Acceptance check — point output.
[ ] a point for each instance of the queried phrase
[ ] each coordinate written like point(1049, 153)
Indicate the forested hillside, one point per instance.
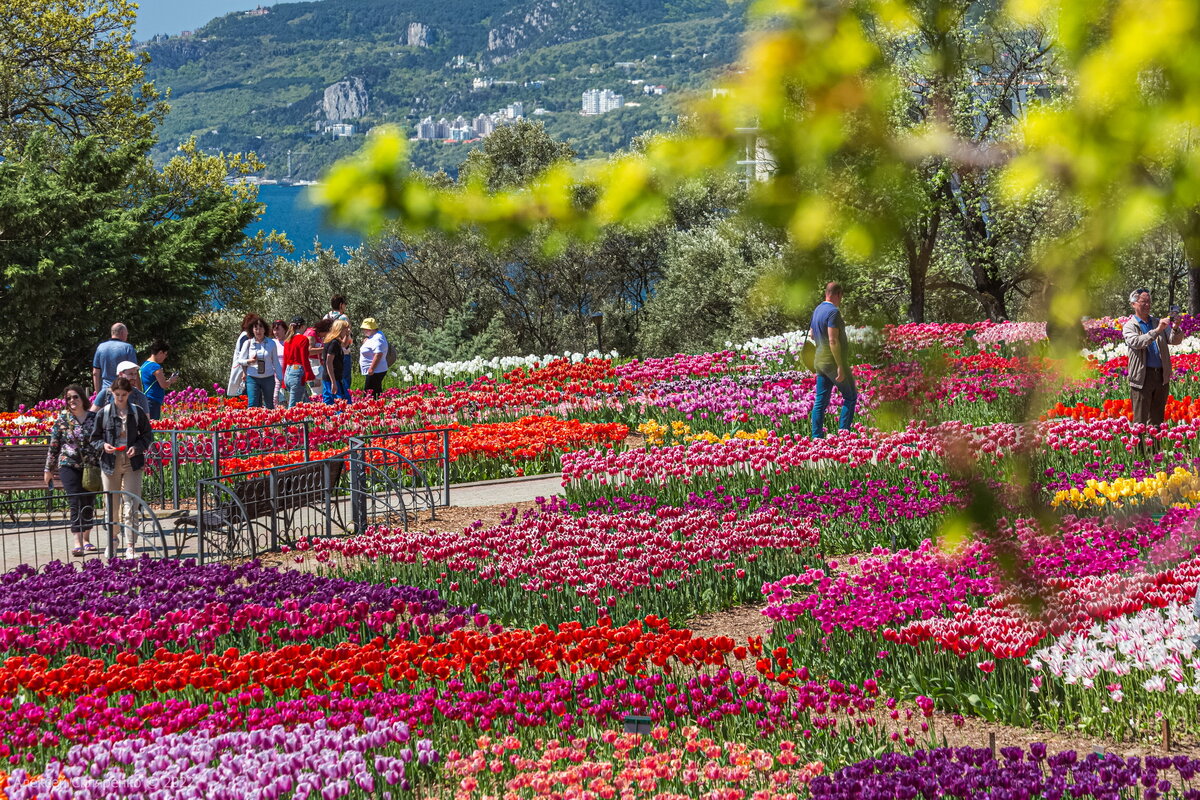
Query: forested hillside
point(275, 81)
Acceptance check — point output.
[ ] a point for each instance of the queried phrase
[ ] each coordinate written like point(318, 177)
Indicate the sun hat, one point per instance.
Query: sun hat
point(124, 365)
point(369, 324)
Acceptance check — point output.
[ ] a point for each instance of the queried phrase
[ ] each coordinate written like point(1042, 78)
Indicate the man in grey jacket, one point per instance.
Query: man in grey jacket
point(1148, 339)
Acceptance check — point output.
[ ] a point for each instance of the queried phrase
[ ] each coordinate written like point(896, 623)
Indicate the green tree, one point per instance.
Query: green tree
point(69, 66)
point(710, 291)
point(93, 231)
point(79, 251)
point(513, 155)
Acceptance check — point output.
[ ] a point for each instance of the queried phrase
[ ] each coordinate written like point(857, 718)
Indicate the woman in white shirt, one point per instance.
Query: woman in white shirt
point(373, 356)
point(262, 363)
point(237, 373)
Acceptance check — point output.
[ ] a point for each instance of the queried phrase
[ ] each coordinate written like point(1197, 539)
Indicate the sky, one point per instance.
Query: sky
point(173, 16)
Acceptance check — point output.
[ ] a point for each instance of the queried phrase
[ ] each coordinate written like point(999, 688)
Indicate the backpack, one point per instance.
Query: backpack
point(392, 356)
point(104, 416)
point(808, 352)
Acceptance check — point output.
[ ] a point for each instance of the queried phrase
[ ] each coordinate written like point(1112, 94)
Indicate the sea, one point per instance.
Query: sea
point(288, 211)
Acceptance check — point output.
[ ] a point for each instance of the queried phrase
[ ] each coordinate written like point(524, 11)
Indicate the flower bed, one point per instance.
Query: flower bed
point(948, 554)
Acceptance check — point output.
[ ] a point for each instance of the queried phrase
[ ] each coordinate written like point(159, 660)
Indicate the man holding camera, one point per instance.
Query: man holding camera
point(1149, 340)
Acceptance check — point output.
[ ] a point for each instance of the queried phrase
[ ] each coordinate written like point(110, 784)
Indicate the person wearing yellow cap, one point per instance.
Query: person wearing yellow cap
point(373, 356)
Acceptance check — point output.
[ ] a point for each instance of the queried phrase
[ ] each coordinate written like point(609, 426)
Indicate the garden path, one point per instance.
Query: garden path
point(505, 491)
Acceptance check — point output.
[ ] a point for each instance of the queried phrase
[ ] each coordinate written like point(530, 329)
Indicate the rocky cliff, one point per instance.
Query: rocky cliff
point(418, 35)
point(346, 99)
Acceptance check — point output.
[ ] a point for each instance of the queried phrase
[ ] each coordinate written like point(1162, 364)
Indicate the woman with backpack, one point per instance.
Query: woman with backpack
point(337, 344)
point(121, 435)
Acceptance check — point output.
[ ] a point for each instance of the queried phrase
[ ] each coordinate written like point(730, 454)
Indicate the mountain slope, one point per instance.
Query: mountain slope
point(273, 82)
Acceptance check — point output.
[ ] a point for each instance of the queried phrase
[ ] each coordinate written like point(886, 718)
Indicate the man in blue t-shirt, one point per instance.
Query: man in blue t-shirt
point(831, 362)
point(109, 354)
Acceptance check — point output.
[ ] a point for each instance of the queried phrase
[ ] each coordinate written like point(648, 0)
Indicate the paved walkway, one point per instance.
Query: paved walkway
point(509, 490)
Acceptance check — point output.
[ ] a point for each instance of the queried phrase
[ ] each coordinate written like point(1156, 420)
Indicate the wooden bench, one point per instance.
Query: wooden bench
point(21, 467)
point(296, 488)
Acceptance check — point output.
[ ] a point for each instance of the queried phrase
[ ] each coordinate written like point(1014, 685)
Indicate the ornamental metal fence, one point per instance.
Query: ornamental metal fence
point(36, 530)
point(193, 506)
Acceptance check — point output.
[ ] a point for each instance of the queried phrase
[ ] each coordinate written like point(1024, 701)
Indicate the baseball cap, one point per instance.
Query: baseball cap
point(369, 324)
point(1136, 293)
point(124, 365)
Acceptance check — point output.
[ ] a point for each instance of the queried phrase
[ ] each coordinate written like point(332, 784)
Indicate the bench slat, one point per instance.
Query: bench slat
point(21, 466)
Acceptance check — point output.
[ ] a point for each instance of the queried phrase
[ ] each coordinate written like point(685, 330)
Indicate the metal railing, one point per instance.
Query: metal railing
point(382, 478)
point(179, 458)
point(36, 530)
point(428, 451)
point(245, 514)
point(385, 486)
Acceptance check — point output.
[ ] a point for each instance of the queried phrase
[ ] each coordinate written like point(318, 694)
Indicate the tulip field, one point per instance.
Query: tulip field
point(995, 543)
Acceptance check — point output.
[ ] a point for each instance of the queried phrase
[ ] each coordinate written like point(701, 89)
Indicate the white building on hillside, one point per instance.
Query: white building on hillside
point(598, 101)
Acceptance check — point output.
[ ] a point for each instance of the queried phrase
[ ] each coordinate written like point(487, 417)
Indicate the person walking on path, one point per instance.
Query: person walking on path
point(337, 341)
point(130, 371)
point(831, 362)
point(120, 436)
point(109, 354)
point(262, 365)
point(69, 455)
point(279, 333)
point(1148, 339)
point(373, 356)
point(316, 337)
point(154, 380)
point(237, 373)
point(338, 312)
point(297, 371)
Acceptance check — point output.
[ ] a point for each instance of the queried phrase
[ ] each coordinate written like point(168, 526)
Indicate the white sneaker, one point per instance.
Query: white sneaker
point(130, 553)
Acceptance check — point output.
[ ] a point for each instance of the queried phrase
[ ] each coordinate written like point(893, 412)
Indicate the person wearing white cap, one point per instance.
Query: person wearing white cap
point(373, 356)
point(130, 370)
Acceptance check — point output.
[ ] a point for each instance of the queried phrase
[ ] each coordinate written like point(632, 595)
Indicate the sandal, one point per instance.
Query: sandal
point(78, 551)
point(90, 548)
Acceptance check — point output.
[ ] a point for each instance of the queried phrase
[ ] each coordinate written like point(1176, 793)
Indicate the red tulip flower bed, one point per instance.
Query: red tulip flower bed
point(528, 445)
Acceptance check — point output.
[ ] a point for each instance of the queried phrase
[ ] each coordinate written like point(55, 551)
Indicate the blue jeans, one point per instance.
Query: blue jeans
point(849, 395)
point(155, 408)
point(297, 389)
point(329, 395)
point(260, 392)
point(347, 374)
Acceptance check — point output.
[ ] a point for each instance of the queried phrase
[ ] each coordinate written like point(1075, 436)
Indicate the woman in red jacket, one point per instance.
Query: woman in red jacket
point(297, 371)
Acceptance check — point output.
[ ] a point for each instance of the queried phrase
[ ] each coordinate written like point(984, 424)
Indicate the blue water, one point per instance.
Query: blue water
point(289, 211)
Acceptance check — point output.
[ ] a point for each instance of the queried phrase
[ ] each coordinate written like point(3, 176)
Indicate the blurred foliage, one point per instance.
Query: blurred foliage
point(1048, 139)
point(1076, 177)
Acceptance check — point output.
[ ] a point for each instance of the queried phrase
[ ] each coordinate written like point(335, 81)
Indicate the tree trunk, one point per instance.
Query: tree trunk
point(1193, 304)
point(1189, 232)
point(916, 298)
point(994, 305)
point(918, 254)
